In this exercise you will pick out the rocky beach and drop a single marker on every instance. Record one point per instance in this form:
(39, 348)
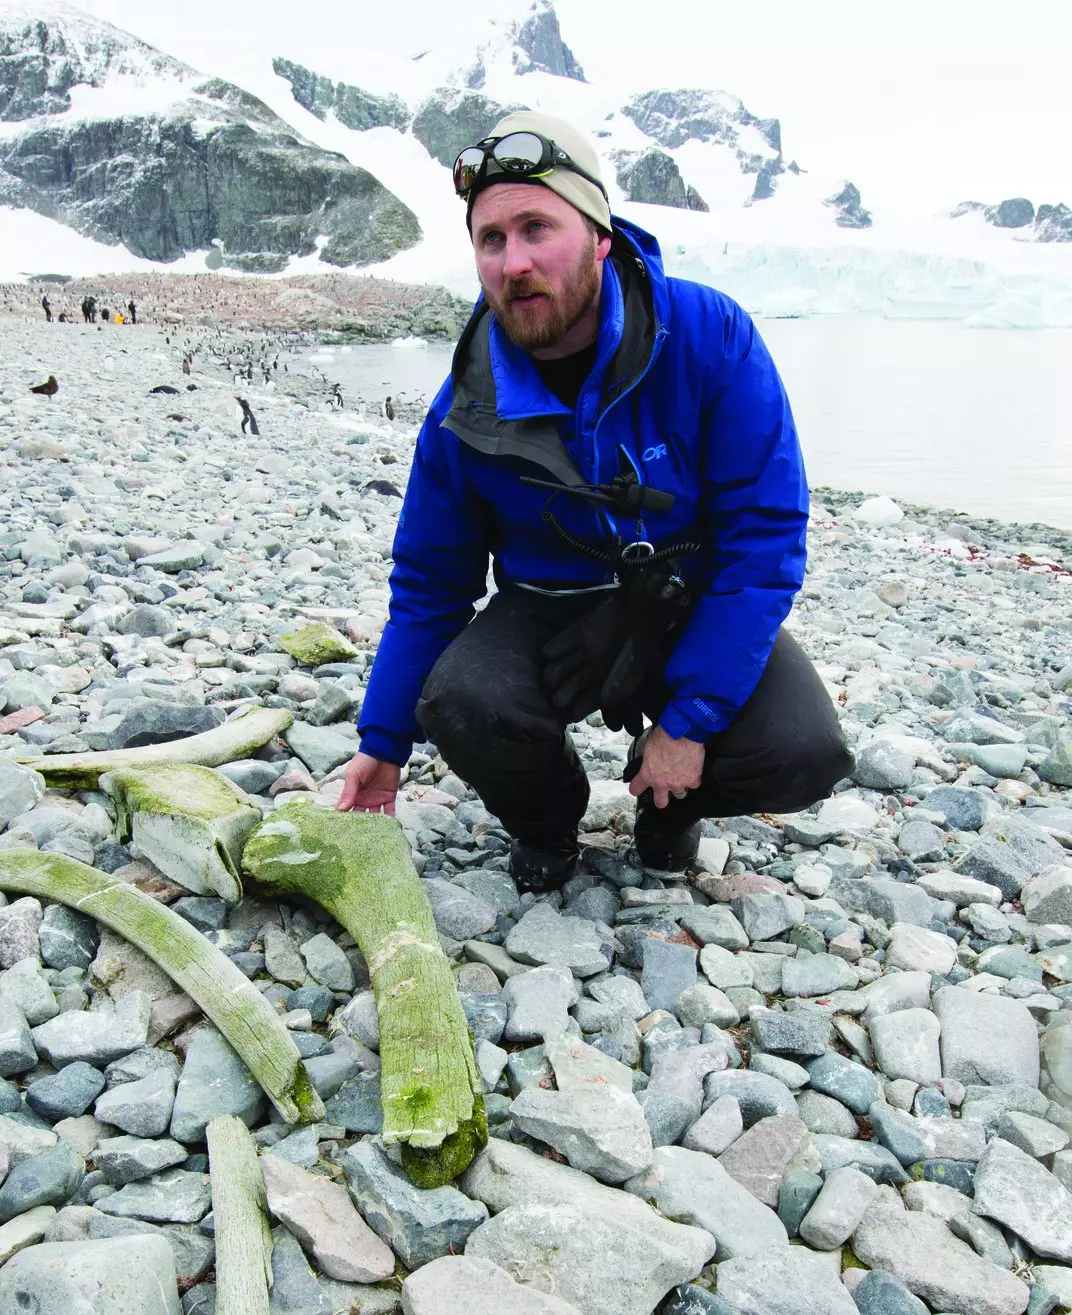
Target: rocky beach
(827, 1071)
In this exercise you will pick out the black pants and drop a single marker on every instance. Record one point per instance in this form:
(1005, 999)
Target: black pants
(485, 709)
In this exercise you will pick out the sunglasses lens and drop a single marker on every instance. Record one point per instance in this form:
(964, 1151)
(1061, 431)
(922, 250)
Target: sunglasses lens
(466, 168)
(518, 152)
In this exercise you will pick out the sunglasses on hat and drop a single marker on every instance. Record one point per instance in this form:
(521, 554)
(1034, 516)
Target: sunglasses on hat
(523, 154)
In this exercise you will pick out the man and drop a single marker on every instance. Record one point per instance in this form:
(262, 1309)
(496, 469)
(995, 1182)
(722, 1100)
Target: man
(663, 590)
(132, 310)
(46, 306)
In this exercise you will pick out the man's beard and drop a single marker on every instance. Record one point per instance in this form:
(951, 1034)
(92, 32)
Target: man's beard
(557, 314)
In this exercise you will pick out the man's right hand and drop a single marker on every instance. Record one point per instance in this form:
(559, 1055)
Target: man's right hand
(371, 786)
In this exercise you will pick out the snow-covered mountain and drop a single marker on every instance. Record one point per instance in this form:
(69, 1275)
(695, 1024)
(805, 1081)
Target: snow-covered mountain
(337, 151)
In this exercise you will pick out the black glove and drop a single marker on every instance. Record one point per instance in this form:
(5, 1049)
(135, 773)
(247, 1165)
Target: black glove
(576, 662)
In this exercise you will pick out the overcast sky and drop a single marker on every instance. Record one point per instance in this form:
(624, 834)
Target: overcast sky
(954, 99)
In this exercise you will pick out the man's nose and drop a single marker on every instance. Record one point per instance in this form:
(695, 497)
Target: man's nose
(517, 258)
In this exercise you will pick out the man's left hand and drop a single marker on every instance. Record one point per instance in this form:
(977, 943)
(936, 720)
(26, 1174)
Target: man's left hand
(670, 767)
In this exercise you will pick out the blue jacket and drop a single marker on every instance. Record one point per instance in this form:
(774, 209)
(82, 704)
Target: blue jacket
(684, 392)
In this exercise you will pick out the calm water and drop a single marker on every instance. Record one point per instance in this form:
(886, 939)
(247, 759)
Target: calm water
(977, 420)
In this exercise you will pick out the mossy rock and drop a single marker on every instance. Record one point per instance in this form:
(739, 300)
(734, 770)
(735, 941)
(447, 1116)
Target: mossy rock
(190, 821)
(315, 644)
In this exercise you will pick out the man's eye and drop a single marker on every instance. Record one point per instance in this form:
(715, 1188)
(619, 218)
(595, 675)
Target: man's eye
(491, 239)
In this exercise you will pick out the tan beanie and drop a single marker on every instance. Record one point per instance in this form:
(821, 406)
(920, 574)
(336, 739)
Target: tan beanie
(578, 191)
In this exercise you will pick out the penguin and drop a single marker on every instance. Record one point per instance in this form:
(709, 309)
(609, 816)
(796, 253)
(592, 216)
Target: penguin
(388, 409)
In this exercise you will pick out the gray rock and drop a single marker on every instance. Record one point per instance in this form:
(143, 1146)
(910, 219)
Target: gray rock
(177, 1196)
(321, 747)
(320, 1215)
(148, 621)
(620, 992)
(24, 985)
(922, 841)
(129, 1159)
(20, 790)
(252, 775)
(965, 810)
(783, 1281)
(25, 690)
(213, 1081)
(838, 1209)
(848, 1082)
(796, 1196)
(97, 1037)
(601, 1131)
(817, 974)
(715, 924)
(17, 1053)
(418, 1225)
(68, 938)
(869, 1157)
(458, 913)
(700, 1004)
(467, 1285)
(360, 1020)
(717, 1128)
(881, 1294)
(545, 937)
(821, 1113)
(282, 957)
(802, 1034)
(920, 1250)
(669, 969)
(154, 722)
(1017, 1191)
(327, 964)
(690, 1187)
(1048, 897)
(986, 1038)
(142, 1108)
(179, 557)
(357, 1106)
(538, 1002)
(758, 1095)
(139, 1064)
(108, 1277)
(882, 765)
(19, 922)
(593, 1261)
(1036, 1137)
(295, 1290)
(759, 1157)
(496, 889)
(50, 1177)
(68, 1093)
(906, 1045)
(192, 1251)
(765, 916)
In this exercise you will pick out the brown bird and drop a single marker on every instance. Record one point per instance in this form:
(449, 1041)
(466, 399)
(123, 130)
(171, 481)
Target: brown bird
(48, 389)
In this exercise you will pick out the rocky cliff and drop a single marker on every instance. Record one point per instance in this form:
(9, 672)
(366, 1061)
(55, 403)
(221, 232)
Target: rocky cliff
(352, 106)
(211, 165)
(653, 176)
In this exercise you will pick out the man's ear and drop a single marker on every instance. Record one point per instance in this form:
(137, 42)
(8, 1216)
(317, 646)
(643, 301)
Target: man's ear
(603, 246)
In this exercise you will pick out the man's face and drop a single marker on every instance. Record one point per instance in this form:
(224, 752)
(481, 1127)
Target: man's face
(540, 266)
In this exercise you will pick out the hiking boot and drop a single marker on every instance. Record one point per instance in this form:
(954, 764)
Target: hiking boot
(538, 869)
(659, 847)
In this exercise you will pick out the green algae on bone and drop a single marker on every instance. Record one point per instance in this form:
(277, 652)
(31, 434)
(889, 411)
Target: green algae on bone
(229, 1000)
(237, 738)
(188, 820)
(358, 867)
